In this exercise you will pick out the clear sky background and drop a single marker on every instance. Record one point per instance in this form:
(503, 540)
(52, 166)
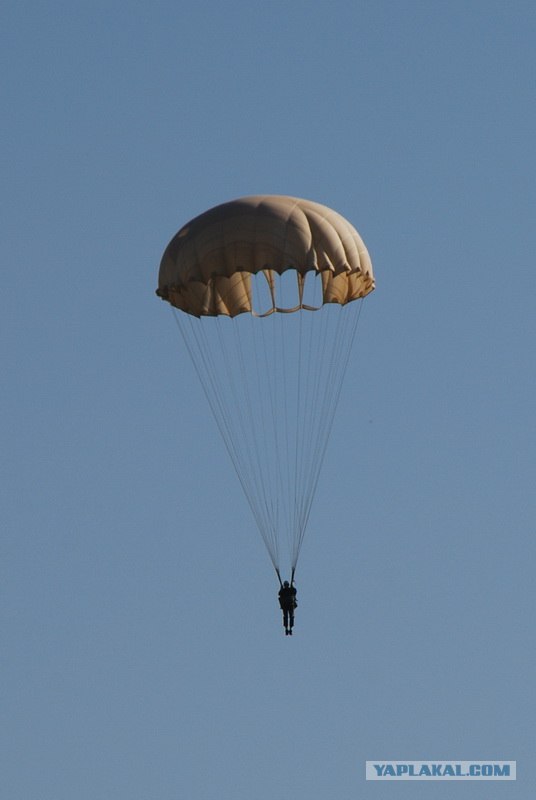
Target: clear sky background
(143, 654)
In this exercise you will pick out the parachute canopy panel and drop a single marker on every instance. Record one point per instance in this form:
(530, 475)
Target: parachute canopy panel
(207, 268)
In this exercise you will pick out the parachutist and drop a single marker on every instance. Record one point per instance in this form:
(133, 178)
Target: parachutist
(287, 601)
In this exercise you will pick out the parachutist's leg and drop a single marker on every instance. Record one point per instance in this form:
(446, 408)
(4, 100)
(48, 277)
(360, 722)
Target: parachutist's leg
(285, 620)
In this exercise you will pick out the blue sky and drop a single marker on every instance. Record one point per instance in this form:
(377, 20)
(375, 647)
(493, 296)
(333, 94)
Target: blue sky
(143, 654)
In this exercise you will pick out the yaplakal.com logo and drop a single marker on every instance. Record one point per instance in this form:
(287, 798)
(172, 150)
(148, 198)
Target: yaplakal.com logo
(441, 770)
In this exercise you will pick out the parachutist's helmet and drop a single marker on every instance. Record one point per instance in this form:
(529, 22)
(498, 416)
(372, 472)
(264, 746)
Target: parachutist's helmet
(286, 584)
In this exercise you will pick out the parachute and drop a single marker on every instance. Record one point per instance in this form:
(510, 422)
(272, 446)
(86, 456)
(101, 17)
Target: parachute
(267, 292)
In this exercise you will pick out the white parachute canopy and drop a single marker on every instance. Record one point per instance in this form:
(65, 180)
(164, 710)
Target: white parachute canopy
(267, 294)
